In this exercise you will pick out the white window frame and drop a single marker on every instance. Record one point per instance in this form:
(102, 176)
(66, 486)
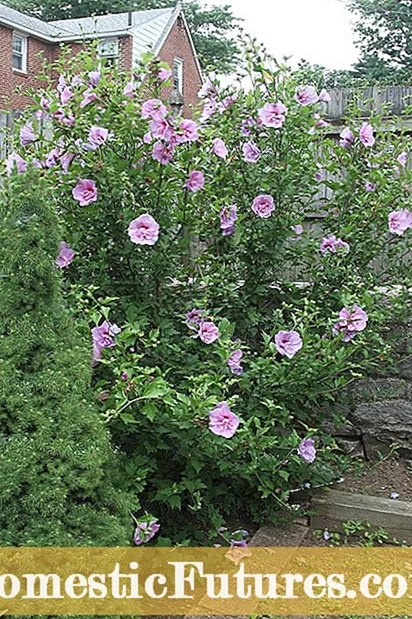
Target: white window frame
(23, 54)
(108, 54)
(178, 74)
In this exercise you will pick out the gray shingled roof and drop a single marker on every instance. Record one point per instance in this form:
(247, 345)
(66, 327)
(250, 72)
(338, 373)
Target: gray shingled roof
(32, 24)
(148, 27)
(150, 23)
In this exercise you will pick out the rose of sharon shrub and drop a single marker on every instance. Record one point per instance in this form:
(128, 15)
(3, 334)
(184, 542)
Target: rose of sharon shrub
(191, 235)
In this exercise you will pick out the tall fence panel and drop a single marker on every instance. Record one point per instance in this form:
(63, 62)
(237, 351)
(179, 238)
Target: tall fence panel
(7, 120)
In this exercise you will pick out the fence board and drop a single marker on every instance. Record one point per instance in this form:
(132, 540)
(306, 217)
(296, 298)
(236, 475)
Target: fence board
(395, 99)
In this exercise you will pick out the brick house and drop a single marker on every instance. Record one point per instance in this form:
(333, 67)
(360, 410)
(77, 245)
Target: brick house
(122, 38)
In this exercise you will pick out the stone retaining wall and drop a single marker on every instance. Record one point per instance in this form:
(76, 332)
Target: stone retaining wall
(378, 410)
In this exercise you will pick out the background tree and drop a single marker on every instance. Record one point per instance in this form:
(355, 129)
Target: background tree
(384, 38)
(212, 28)
(56, 462)
(384, 28)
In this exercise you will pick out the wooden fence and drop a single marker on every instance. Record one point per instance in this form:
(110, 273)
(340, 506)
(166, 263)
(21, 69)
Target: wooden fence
(6, 127)
(391, 100)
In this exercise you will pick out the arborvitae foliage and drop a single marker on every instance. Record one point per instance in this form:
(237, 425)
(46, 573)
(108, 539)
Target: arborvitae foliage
(56, 463)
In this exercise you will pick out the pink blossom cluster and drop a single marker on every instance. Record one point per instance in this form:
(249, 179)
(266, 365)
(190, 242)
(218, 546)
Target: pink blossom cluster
(307, 95)
(66, 255)
(333, 245)
(351, 321)
(206, 330)
(209, 93)
(366, 136)
(228, 218)
(166, 130)
(103, 337)
(145, 531)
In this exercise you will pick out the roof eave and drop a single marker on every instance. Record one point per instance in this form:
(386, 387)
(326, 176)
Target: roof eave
(63, 38)
(192, 44)
(35, 33)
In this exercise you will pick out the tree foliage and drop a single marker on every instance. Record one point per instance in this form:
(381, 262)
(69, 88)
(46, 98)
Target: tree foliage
(213, 28)
(57, 481)
(384, 29)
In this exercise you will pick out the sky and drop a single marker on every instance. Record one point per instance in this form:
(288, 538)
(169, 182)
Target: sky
(317, 30)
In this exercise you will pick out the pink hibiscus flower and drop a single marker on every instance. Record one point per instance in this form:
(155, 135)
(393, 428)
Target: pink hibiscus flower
(196, 181)
(208, 332)
(144, 230)
(85, 192)
(400, 221)
(66, 255)
(263, 206)
(97, 136)
(27, 135)
(222, 421)
(273, 114)
(351, 321)
(251, 153)
(228, 217)
(334, 245)
(306, 95)
(219, 148)
(366, 135)
(346, 138)
(163, 153)
(307, 451)
(288, 343)
(152, 107)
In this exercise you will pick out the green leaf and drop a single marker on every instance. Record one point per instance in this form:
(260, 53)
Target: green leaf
(127, 418)
(156, 389)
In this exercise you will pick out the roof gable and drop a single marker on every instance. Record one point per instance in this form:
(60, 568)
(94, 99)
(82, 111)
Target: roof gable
(149, 29)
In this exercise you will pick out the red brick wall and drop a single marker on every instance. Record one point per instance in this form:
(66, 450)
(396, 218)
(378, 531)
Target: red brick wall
(10, 80)
(126, 53)
(177, 45)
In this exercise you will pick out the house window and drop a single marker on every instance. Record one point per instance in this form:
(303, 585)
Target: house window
(178, 74)
(19, 52)
(108, 51)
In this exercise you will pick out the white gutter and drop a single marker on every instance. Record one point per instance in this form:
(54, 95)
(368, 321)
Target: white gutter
(92, 35)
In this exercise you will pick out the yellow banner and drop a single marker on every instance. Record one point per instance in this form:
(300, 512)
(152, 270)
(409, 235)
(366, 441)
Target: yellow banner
(205, 581)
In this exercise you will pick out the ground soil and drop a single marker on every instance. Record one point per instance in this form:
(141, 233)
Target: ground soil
(381, 479)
